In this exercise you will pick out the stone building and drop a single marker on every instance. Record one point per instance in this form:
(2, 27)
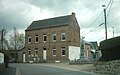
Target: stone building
(48, 40)
(91, 51)
(87, 49)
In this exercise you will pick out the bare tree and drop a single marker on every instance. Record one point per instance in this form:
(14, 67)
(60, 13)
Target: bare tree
(3, 42)
(17, 41)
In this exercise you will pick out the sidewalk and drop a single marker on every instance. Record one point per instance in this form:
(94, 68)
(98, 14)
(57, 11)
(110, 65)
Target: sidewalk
(8, 71)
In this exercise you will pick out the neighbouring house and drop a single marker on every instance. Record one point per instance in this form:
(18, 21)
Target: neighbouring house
(95, 50)
(87, 50)
(91, 51)
(48, 40)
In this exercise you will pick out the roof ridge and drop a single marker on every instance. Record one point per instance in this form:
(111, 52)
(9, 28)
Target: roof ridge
(53, 18)
(50, 22)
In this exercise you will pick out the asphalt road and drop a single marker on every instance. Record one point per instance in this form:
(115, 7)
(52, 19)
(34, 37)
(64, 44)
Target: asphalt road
(42, 69)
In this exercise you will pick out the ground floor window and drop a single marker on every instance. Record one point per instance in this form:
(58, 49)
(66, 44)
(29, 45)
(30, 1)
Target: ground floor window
(29, 52)
(36, 52)
(54, 51)
(63, 51)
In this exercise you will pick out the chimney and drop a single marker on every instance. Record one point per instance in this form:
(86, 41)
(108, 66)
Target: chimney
(73, 14)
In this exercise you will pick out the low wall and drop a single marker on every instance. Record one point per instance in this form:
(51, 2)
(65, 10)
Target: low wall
(110, 67)
(2, 67)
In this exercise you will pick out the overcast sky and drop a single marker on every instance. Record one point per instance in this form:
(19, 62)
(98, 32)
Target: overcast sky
(20, 13)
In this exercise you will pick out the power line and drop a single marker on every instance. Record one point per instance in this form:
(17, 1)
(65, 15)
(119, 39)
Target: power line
(110, 8)
(109, 3)
(93, 29)
(93, 22)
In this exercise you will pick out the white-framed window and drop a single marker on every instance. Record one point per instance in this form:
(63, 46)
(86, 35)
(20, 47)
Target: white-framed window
(29, 52)
(54, 51)
(54, 37)
(36, 38)
(36, 52)
(63, 51)
(63, 37)
(44, 38)
(29, 39)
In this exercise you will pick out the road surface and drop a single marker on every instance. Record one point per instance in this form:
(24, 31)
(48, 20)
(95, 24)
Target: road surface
(45, 69)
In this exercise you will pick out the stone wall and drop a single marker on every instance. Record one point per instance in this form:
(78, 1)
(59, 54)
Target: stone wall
(110, 67)
(2, 67)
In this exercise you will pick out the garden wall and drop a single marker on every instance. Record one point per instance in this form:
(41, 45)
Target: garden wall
(110, 67)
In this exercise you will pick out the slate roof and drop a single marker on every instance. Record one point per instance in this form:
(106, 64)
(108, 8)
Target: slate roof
(94, 45)
(51, 22)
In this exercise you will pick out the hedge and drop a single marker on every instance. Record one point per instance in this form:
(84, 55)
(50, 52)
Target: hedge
(110, 49)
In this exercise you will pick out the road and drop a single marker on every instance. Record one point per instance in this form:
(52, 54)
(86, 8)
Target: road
(45, 69)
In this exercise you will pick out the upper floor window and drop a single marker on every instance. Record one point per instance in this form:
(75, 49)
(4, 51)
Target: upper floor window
(63, 37)
(29, 39)
(44, 38)
(54, 51)
(54, 37)
(36, 38)
(63, 51)
(44, 48)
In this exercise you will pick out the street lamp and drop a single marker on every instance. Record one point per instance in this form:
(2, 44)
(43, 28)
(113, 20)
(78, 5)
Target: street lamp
(104, 6)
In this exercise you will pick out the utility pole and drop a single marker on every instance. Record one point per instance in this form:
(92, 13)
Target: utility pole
(105, 21)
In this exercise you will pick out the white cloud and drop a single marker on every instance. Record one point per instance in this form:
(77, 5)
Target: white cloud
(21, 13)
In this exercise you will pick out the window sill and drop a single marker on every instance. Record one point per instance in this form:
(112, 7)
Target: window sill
(53, 40)
(63, 55)
(54, 55)
(62, 40)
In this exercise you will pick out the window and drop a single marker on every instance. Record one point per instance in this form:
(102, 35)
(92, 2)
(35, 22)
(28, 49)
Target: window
(62, 36)
(63, 51)
(54, 51)
(29, 52)
(44, 38)
(36, 52)
(36, 38)
(53, 37)
(29, 39)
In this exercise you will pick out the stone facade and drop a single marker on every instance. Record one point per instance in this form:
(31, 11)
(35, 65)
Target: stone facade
(88, 53)
(109, 68)
(49, 49)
